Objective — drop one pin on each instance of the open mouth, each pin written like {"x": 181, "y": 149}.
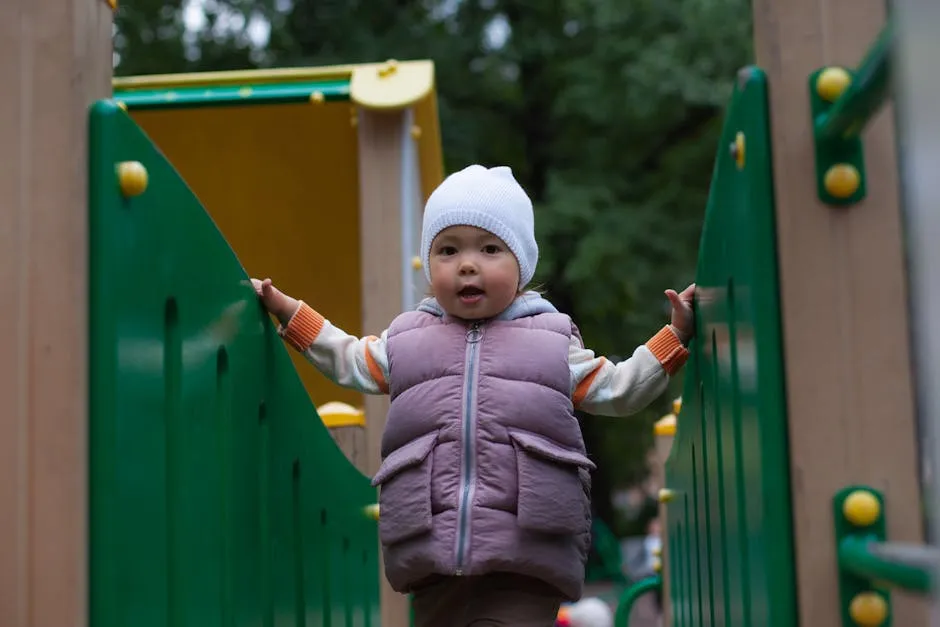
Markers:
{"x": 470, "y": 294}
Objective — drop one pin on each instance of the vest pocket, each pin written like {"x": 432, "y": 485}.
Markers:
{"x": 405, "y": 490}
{"x": 554, "y": 485}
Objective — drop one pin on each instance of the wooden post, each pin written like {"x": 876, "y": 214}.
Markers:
{"x": 55, "y": 60}
{"x": 380, "y": 164}
{"x": 845, "y": 328}
{"x": 347, "y": 427}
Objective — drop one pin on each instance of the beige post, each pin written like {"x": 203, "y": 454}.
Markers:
{"x": 380, "y": 138}
{"x": 347, "y": 426}
{"x": 843, "y": 296}
{"x": 55, "y": 60}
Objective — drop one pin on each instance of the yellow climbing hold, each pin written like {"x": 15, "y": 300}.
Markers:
{"x": 335, "y": 414}
{"x": 132, "y": 178}
{"x": 416, "y": 262}
{"x": 665, "y": 426}
{"x": 861, "y": 508}
{"x": 832, "y": 82}
{"x": 317, "y": 97}
{"x": 666, "y": 495}
{"x": 842, "y": 180}
{"x": 677, "y": 406}
{"x": 868, "y": 609}
{"x": 372, "y": 511}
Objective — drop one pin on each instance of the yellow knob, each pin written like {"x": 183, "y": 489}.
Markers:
{"x": 861, "y": 508}
{"x": 677, "y": 406}
{"x": 831, "y": 83}
{"x": 132, "y": 177}
{"x": 416, "y": 263}
{"x": 666, "y": 495}
{"x": 665, "y": 426}
{"x": 372, "y": 511}
{"x": 657, "y": 552}
{"x": 739, "y": 148}
{"x": 868, "y": 609}
{"x": 317, "y": 97}
{"x": 388, "y": 68}
{"x": 842, "y": 180}
{"x": 657, "y": 565}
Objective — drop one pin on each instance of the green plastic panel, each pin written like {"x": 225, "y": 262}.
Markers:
{"x": 217, "y": 495}
{"x": 729, "y": 523}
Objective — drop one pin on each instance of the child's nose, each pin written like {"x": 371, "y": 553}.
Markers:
{"x": 467, "y": 268}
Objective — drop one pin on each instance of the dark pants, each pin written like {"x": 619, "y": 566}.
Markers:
{"x": 486, "y": 601}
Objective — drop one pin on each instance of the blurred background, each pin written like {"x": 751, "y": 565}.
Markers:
{"x": 608, "y": 111}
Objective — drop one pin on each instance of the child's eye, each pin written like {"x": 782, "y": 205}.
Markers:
{"x": 491, "y": 249}
{"x": 447, "y": 250}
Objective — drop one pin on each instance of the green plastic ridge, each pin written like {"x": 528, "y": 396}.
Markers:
{"x": 217, "y": 496}
{"x": 233, "y": 95}
{"x": 729, "y": 529}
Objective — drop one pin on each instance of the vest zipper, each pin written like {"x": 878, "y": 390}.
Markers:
{"x": 469, "y": 467}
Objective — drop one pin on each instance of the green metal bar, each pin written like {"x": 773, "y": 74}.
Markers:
{"x": 865, "y": 557}
{"x": 630, "y": 596}
{"x": 865, "y": 95}
{"x": 233, "y": 95}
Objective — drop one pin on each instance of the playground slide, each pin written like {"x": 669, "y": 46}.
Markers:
{"x": 208, "y": 461}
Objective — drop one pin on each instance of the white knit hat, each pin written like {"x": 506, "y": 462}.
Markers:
{"x": 489, "y": 199}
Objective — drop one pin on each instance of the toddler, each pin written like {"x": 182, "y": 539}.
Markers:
{"x": 485, "y": 510}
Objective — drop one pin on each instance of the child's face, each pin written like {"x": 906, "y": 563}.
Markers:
{"x": 474, "y": 275}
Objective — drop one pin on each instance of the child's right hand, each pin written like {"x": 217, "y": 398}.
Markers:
{"x": 279, "y": 304}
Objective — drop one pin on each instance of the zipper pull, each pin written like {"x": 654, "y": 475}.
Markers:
{"x": 474, "y": 333}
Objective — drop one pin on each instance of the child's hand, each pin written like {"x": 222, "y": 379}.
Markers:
{"x": 279, "y": 304}
{"x": 683, "y": 316}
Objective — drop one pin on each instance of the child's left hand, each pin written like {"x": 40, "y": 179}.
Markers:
{"x": 683, "y": 316}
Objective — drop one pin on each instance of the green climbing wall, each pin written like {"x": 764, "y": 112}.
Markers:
{"x": 217, "y": 496}
{"x": 729, "y": 527}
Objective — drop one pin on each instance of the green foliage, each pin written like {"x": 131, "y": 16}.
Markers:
{"x": 609, "y": 112}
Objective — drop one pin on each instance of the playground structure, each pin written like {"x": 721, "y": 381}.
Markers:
{"x": 151, "y": 398}
{"x": 310, "y": 158}
{"x": 777, "y": 512}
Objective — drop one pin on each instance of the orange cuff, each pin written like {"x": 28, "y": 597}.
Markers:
{"x": 304, "y": 327}
{"x": 581, "y": 391}
{"x": 374, "y": 370}
{"x": 667, "y": 348}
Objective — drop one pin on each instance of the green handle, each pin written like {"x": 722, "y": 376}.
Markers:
{"x": 631, "y": 594}
{"x": 905, "y": 566}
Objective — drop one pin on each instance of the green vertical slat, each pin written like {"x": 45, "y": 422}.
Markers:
{"x": 197, "y": 416}
{"x": 172, "y": 376}
{"x": 730, "y": 456}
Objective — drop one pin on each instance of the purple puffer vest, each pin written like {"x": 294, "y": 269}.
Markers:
{"x": 484, "y": 467}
